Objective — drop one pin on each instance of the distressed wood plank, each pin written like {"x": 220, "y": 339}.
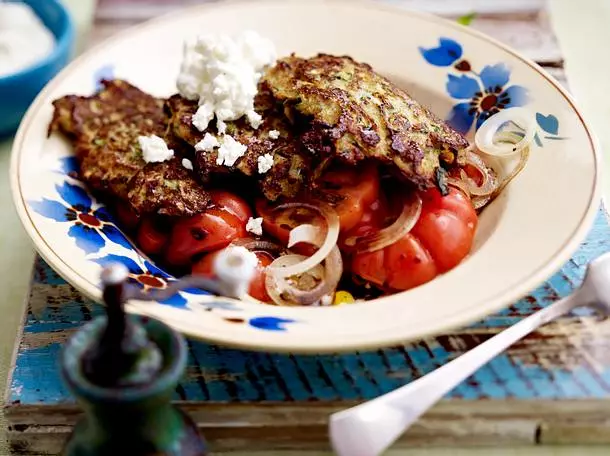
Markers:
{"x": 282, "y": 427}
{"x": 148, "y": 8}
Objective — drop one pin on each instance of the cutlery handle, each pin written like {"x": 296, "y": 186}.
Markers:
{"x": 382, "y": 420}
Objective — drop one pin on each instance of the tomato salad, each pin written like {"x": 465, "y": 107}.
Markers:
{"x": 358, "y": 229}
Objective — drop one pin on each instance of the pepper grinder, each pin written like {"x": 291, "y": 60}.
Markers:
{"x": 123, "y": 370}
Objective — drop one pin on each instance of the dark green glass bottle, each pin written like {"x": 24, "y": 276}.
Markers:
{"x": 123, "y": 370}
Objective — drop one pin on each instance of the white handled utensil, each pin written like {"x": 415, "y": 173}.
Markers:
{"x": 369, "y": 428}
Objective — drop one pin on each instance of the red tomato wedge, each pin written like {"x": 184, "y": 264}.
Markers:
{"x": 439, "y": 241}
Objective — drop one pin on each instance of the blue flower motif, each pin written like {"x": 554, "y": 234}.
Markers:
{"x": 447, "y": 52}
{"x": 105, "y": 72}
{"x": 148, "y": 276}
{"x": 549, "y": 123}
{"x": 90, "y": 228}
{"x": 270, "y": 323}
{"x": 68, "y": 166}
{"x": 486, "y": 96}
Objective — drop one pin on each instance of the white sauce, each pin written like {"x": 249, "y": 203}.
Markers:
{"x": 24, "y": 39}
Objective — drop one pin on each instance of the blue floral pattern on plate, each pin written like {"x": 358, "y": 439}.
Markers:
{"x": 93, "y": 229}
{"x": 102, "y": 73}
{"x": 89, "y": 227}
{"x": 482, "y": 94}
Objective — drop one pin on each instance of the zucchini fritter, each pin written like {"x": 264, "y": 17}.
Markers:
{"x": 343, "y": 109}
{"x": 290, "y": 168}
{"x": 104, "y": 130}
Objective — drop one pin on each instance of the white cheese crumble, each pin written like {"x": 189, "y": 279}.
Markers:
{"x": 255, "y": 226}
{"x": 265, "y": 163}
{"x": 24, "y": 39}
{"x": 222, "y": 73}
{"x": 187, "y": 163}
{"x": 207, "y": 144}
{"x": 274, "y": 134}
{"x": 203, "y": 116}
{"x": 229, "y": 151}
{"x": 154, "y": 149}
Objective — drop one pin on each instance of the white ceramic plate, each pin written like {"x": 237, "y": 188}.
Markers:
{"x": 524, "y": 236}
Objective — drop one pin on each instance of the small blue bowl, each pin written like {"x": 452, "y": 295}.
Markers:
{"x": 18, "y": 90}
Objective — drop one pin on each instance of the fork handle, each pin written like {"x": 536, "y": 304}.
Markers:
{"x": 375, "y": 425}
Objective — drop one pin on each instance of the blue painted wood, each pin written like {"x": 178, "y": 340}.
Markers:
{"x": 567, "y": 359}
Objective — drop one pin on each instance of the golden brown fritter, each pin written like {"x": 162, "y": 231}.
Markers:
{"x": 343, "y": 109}
{"x": 290, "y": 167}
{"x": 104, "y": 130}
{"x": 118, "y": 101}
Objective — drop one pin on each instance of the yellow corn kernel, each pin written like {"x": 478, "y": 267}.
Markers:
{"x": 343, "y": 297}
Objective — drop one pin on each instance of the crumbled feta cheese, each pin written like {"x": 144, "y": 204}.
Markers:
{"x": 203, "y": 116}
{"x": 254, "y": 119}
{"x": 274, "y": 134}
{"x": 265, "y": 163}
{"x": 230, "y": 151}
{"x": 255, "y": 226}
{"x": 187, "y": 163}
{"x": 207, "y": 144}
{"x": 154, "y": 149}
{"x": 222, "y": 73}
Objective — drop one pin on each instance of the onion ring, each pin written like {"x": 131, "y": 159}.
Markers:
{"x": 284, "y": 293}
{"x": 332, "y": 235}
{"x": 411, "y": 210}
{"x": 487, "y": 133}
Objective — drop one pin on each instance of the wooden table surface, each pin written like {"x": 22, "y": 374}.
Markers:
{"x": 522, "y": 24}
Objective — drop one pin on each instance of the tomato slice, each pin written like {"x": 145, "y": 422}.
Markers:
{"x": 373, "y": 219}
{"x": 440, "y": 240}
{"x": 212, "y": 230}
{"x": 408, "y": 264}
{"x": 279, "y": 223}
{"x": 233, "y": 203}
{"x": 152, "y": 236}
{"x": 350, "y": 191}
{"x": 257, "y": 288}
{"x": 127, "y": 217}
{"x": 446, "y": 227}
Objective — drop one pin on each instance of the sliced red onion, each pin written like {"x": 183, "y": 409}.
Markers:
{"x": 405, "y": 222}
{"x": 489, "y": 140}
{"x": 332, "y": 235}
{"x": 489, "y": 184}
{"x": 306, "y": 233}
{"x": 285, "y": 293}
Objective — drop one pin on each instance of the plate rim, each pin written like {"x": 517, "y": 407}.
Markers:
{"x": 497, "y": 302}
